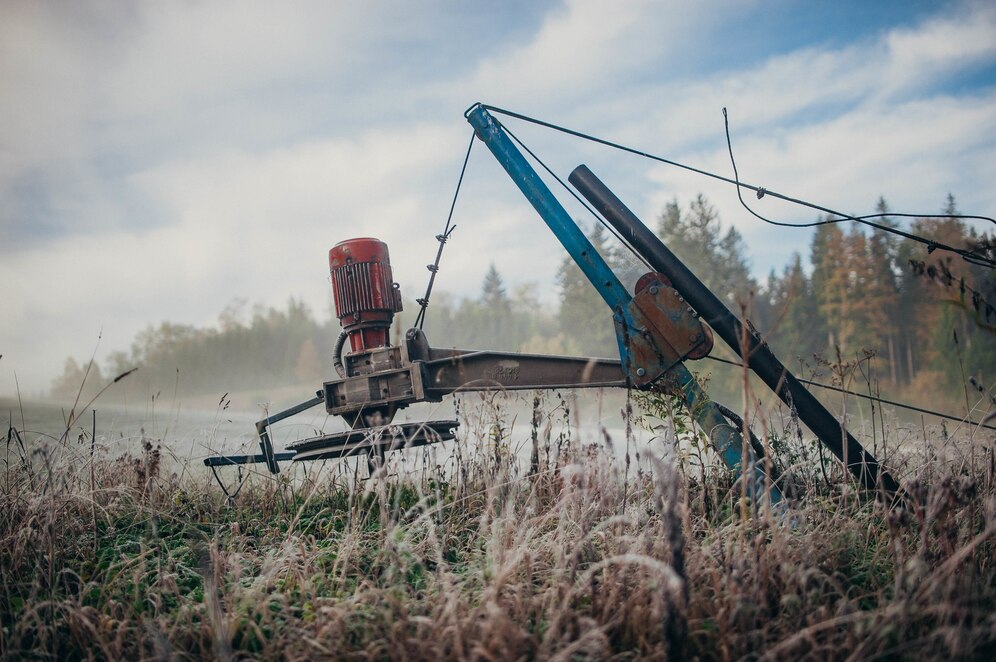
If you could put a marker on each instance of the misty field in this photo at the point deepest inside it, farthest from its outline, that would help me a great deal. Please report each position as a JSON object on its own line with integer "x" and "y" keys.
{"x": 513, "y": 542}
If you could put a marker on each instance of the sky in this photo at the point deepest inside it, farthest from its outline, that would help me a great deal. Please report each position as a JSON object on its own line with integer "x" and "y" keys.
{"x": 160, "y": 160}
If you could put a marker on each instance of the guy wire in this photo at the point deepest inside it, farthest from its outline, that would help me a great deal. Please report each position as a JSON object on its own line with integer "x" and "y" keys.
{"x": 761, "y": 191}
{"x": 441, "y": 238}
{"x": 872, "y": 397}
{"x": 968, "y": 256}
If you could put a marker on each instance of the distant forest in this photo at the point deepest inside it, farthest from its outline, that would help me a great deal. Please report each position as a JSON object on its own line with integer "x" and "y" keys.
{"x": 915, "y": 321}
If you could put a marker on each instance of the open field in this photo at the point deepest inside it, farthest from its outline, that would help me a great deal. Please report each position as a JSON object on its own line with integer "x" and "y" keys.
{"x": 467, "y": 553}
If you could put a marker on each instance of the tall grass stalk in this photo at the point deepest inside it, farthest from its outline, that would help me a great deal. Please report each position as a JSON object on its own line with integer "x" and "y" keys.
{"x": 467, "y": 555}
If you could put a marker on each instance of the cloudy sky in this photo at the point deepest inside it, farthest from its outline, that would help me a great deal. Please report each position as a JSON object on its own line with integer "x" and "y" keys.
{"x": 160, "y": 159}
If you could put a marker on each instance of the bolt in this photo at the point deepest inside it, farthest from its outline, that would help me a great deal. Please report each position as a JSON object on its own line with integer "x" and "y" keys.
{"x": 693, "y": 337}
{"x": 653, "y": 289}
{"x": 640, "y": 372}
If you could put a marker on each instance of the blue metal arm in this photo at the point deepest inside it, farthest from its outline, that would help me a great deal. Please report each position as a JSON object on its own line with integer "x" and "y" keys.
{"x": 724, "y": 437}
{"x": 560, "y": 222}
{"x": 539, "y": 195}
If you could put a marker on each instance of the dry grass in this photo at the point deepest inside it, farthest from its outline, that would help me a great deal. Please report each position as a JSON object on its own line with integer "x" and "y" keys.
{"x": 572, "y": 557}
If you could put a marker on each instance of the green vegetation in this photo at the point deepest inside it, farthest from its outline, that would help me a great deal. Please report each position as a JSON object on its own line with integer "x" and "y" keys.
{"x": 471, "y": 555}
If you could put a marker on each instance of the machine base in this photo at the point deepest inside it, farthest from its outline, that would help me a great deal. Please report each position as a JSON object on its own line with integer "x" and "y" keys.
{"x": 373, "y": 441}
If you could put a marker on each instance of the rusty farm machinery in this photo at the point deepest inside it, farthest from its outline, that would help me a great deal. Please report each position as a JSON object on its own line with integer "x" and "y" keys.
{"x": 669, "y": 318}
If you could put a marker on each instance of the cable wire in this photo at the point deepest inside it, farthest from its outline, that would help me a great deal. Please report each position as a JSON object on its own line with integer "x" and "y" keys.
{"x": 442, "y": 238}
{"x": 932, "y": 245}
{"x": 761, "y": 191}
{"x": 872, "y": 397}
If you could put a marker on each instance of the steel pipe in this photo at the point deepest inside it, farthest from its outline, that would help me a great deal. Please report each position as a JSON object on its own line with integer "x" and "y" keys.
{"x": 728, "y": 326}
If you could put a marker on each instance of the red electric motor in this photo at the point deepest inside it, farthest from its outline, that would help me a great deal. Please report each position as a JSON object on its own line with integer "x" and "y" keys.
{"x": 366, "y": 296}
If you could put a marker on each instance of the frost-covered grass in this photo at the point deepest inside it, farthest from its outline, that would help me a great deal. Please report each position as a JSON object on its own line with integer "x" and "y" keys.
{"x": 568, "y": 555}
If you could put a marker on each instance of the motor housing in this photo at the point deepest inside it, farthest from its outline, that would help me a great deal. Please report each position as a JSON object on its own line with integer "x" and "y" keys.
{"x": 366, "y": 296}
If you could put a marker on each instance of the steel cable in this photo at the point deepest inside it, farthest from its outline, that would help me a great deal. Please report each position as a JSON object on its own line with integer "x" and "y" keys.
{"x": 921, "y": 410}
{"x": 442, "y": 238}
{"x": 762, "y": 191}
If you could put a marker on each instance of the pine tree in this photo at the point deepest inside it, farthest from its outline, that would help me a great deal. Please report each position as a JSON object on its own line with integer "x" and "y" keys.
{"x": 485, "y": 323}
{"x": 864, "y": 320}
{"x": 883, "y": 289}
{"x": 934, "y": 329}
{"x": 718, "y": 258}
{"x": 493, "y": 294}
{"x": 831, "y": 276}
{"x": 797, "y": 328}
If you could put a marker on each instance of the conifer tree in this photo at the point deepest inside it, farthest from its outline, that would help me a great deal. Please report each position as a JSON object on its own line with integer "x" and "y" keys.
{"x": 797, "y": 329}
{"x": 933, "y": 331}
{"x": 484, "y": 323}
{"x": 863, "y": 323}
{"x": 884, "y": 290}
{"x": 718, "y": 258}
{"x": 830, "y": 281}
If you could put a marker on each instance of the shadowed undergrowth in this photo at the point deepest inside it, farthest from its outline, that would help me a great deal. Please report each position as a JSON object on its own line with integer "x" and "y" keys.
{"x": 472, "y": 557}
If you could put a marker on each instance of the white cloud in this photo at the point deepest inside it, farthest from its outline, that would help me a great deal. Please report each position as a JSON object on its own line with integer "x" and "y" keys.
{"x": 839, "y": 128}
{"x": 588, "y": 50}
{"x": 813, "y": 85}
{"x": 206, "y": 151}
{"x": 176, "y": 55}
{"x": 935, "y": 49}
{"x": 256, "y": 226}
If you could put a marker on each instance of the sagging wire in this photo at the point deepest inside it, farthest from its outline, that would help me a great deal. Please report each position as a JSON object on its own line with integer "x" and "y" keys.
{"x": 241, "y": 482}
{"x": 442, "y": 239}
{"x": 761, "y": 192}
{"x": 901, "y": 405}
{"x": 969, "y": 256}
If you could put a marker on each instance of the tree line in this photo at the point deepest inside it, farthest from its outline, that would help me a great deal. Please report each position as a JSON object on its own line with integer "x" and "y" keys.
{"x": 919, "y": 321}
{"x": 926, "y": 316}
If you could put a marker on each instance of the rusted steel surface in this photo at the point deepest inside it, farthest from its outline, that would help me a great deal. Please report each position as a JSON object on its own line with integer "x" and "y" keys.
{"x": 478, "y": 371}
